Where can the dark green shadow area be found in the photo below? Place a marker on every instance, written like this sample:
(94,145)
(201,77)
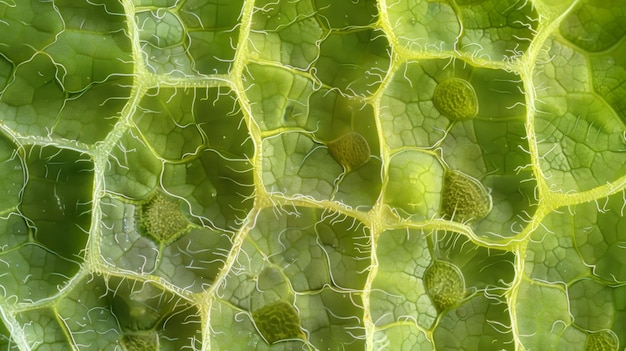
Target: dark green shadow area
(354,62)
(5,338)
(130,312)
(594,26)
(48,232)
(75,87)
(201,140)
(213,32)
(344,15)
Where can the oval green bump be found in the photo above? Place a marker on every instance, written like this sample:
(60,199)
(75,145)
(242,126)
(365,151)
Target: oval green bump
(456,99)
(464,199)
(351,150)
(603,340)
(141,342)
(444,284)
(277,322)
(162,217)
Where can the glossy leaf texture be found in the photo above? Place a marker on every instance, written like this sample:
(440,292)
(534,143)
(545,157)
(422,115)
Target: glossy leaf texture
(312,175)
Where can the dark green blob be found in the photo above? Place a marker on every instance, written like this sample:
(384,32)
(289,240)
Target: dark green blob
(603,340)
(351,150)
(464,198)
(277,322)
(456,99)
(162,218)
(141,342)
(444,284)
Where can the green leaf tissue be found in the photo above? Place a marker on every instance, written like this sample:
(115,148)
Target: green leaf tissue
(333,175)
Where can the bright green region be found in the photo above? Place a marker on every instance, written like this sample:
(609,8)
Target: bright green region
(398,293)
(132,168)
(171,125)
(93,63)
(160,28)
(424,25)
(213,31)
(464,198)
(314,248)
(47,333)
(298,165)
(194,261)
(599,237)
(285,32)
(480,323)
(551,253)
(277,322)
(582,145)
(33,272)
(350,150)
(604,340)
(591,304)
(406,113)
(480,147)
(339,15)
(594,25)
(496,29)
(444,284)
(414,185)
(361,187)
(340,330)
(542,317)
(162,217)
(122,241)
(190,260)
(456,99)
(140,342)
(482,268)
(580,131)
(358,75)
(279,97)
(163,42)
(402,337)
(323,258)
(608,70)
